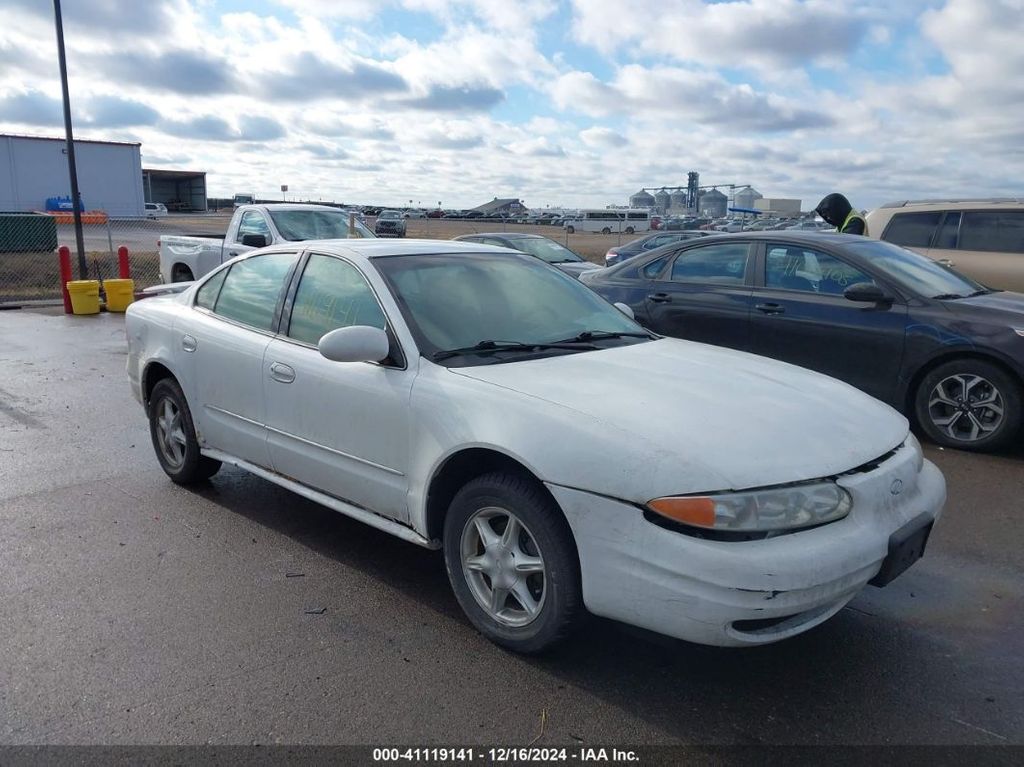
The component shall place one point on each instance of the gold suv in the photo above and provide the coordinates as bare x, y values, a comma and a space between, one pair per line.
984, 239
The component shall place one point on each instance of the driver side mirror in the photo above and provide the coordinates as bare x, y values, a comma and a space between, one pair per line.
867, 292
625, 309
255, 240
356, 343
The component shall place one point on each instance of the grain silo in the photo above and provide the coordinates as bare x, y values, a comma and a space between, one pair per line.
713, 204
641, 200
661, 200
746, 196
678, 200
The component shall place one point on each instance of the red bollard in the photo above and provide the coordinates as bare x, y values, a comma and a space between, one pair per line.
65, 275
122, 263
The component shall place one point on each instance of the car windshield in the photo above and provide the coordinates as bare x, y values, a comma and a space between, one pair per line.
457, 301
912, 270
545, 249
390, 214
297, 225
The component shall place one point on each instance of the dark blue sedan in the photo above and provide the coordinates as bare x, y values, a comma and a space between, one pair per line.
943, 349
649, 242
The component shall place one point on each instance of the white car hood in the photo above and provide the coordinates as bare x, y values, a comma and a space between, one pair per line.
748, 420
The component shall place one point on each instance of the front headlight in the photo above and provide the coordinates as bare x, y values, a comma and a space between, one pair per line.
914, 445
766, 510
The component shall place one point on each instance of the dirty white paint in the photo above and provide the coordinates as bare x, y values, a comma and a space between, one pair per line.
606, 431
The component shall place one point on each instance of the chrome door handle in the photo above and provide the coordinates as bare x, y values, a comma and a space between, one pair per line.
281, 372
189, 343
771, 308
232, 253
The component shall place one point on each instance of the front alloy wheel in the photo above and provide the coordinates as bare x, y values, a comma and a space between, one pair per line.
512, 562
503, 567
969, 404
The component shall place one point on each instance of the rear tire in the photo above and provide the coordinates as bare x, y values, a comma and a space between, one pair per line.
970, 404
606, 230
181, 273
174, 436
520, 589
630, 230
570, 229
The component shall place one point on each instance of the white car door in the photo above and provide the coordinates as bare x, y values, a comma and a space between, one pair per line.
251, 222
223, 345
340, 427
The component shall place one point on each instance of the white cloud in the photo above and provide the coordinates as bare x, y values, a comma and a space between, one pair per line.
602, 138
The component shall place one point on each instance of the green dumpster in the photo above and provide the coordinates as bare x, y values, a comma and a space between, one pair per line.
27, 232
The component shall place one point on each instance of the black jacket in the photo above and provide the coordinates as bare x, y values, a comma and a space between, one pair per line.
836, 209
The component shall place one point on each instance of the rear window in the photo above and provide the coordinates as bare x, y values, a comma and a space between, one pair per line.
912, 230
992, 230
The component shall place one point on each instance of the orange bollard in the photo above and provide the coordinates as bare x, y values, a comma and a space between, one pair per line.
123, 267
65, 275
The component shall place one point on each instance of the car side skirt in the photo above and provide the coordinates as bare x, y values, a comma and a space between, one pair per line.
336, 504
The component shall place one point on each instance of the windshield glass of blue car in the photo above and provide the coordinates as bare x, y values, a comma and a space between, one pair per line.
546, 250
918, 273
469, 309
298, 225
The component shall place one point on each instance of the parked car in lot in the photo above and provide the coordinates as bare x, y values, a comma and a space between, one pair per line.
640, 245
185, 257
390, 223
535, 245
467, 398
155, 210
927, 340
984, 239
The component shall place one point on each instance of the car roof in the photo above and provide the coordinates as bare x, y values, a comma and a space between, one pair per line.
365, 249
506, 235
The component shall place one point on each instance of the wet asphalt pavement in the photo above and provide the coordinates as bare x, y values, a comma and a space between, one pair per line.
135, 611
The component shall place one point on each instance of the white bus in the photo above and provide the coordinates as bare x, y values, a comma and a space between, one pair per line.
610, 220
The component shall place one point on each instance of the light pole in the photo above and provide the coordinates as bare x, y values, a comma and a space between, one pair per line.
76, 199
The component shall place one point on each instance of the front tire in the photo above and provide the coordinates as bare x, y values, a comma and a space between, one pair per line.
512, 562
969, 404
606, 230
570, 229
174, 436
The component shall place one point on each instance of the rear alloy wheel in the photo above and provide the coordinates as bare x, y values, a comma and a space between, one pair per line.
174, 436
512, 562
606, 230
570, 229
630, 230
969, 404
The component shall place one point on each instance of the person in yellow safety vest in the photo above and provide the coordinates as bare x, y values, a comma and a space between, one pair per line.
836, 210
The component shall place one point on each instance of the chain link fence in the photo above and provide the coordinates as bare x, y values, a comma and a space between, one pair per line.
29, 267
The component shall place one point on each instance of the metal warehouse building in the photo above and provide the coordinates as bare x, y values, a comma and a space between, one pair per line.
34, 168
177, 189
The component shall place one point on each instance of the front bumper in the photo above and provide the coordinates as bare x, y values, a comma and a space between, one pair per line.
740, 593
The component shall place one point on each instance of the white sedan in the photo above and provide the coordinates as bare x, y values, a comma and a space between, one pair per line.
480, 401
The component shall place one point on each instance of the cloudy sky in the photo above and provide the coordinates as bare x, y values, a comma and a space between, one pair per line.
575, 103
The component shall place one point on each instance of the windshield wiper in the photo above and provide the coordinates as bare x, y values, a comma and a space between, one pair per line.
489, 347
600, 335
947, 297
982, 292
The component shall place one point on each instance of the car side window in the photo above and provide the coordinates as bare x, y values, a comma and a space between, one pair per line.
912, 230
788, 267
1000, 231
253, 223
206, 296
949, 231
653, 269
332, 294
252, 288
722, 263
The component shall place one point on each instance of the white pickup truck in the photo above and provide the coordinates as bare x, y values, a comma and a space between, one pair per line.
184, 258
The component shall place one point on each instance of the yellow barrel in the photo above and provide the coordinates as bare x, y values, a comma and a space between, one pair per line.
120, 293
85, 296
